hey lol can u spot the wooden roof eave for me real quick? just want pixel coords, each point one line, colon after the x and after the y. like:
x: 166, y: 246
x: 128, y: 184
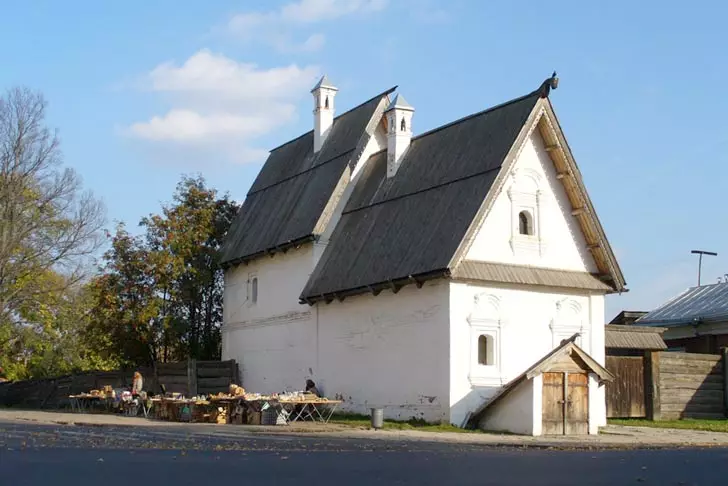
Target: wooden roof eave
x: 582, y: 207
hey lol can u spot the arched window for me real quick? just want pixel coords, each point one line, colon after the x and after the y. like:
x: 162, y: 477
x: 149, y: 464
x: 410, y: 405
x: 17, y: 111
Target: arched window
x: 403, y: 126
x: 254, y: 290
x: 326, y: 102
x: 525, y: 223
x: 485, y: 350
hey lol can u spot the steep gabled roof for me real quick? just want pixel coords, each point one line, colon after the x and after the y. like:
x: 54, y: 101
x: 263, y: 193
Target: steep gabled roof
x: 285, y: 204
x: 418, y: 224
x: 706, y: 303
x: 410, y: 225
x: 567, y: 347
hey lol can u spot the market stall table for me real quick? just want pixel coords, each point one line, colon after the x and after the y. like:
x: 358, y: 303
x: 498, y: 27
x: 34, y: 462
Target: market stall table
x: 84, y: 401
x: 315, y: 409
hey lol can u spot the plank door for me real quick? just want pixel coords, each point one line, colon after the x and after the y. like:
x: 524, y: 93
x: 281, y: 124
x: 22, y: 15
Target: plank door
x: 553, y: 404
x: 626, y: 394
x: 577, y: 404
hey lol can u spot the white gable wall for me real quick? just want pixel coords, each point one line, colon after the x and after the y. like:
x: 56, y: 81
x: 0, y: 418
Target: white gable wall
x: 532, y: 186
x: 525, y: 322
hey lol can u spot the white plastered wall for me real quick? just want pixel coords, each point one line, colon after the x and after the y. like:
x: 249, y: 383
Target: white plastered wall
x: 273, y: 339
x: 526, y: 321
x: 388, y: 351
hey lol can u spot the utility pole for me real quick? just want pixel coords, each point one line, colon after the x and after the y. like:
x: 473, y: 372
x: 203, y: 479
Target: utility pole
x: 700, y: 260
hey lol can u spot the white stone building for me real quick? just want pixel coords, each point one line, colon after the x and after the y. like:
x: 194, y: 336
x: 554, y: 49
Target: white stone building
x: 419, y: 274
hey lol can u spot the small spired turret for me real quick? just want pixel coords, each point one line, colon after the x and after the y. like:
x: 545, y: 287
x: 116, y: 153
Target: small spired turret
x: 323, y: 111
x: 399, y: 132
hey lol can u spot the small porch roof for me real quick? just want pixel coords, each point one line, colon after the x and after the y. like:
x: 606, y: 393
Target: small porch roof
x: 566, y: 347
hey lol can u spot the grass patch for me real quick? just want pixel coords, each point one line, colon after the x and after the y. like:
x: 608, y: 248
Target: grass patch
x: 364, y: 421
x: 718, y: 425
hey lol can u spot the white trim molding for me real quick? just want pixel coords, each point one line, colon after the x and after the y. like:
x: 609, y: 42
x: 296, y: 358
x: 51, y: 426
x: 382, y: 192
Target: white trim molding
x: 567, y: 321
x: 525, y: 195
x: 485, y: 320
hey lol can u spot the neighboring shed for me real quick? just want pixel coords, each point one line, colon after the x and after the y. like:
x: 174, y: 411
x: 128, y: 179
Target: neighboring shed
x: 632, y: 340
x: 555, y: 396
x: 628, y: 356
x: 696, y: 321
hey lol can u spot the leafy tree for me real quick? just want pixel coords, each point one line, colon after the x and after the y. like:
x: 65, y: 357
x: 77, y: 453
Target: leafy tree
x: 160, y: 295
x: 49, y: 228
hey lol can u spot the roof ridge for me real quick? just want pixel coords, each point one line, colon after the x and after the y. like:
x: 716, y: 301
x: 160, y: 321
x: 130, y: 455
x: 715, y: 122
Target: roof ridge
x: 473, y: 115
x: 384, y: 93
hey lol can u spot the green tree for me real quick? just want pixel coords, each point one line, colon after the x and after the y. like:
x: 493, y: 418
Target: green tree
x: 160, y: 295
x: 49, y: 228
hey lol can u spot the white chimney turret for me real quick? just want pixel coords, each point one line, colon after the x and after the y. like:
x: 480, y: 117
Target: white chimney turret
x: 323, y: 111
x: 399, y: 132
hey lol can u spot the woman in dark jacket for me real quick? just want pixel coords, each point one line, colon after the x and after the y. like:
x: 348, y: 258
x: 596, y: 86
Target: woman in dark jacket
x: 311, y: 388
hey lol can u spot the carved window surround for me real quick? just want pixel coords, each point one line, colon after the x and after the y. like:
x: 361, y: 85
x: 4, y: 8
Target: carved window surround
x: 533, y: 203
x: 490, y: 325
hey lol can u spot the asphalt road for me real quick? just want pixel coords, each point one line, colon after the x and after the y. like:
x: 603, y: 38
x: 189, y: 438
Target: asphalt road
x: 35, y: 455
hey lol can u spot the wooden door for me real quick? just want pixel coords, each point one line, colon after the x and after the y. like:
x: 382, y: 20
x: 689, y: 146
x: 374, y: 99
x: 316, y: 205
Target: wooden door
x: 577, y: 404
x: 552, y: 418
x: 626, y: 394
x: 565, y: 408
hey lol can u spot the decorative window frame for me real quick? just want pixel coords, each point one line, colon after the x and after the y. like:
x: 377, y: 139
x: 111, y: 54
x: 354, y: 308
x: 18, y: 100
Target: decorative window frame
x: 563, y: 327
x: 491, y: 325
x: 532, y: 202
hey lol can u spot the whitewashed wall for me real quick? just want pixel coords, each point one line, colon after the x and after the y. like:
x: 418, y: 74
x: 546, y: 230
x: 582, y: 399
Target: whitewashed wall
x: 515, y: 413
x: 389, y: 350
x: 273, y: 340
x: 532, y: 186
x: 526, y: 323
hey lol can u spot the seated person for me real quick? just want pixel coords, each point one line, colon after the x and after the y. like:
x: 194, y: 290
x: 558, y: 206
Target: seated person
x: 311, y: 388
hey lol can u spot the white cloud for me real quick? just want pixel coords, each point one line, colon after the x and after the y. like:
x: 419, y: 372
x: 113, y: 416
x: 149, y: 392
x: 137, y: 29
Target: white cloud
x: 275, y: 28
x: 207, y: 73
x: 187, y: 126
x: 222, y: 105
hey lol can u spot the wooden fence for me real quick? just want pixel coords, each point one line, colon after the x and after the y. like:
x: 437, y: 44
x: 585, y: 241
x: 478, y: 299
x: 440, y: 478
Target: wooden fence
x: 189, y: 377
x: 686, y: 385
x: 663, y: 385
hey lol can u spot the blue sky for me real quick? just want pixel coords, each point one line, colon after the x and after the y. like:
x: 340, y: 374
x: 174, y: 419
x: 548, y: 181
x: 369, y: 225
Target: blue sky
x: 143, y: 92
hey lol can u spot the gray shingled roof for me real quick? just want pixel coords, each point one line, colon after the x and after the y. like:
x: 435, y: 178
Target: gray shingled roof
x: 292, y: 189
x: 706, y: 303
x: 633, y: 337
x: 410, y: 225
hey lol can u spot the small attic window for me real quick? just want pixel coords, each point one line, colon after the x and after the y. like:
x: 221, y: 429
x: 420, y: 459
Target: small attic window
x: 403, y: 126
x: 525, y: 223
x: 326, y: 102
x: 485, y: 350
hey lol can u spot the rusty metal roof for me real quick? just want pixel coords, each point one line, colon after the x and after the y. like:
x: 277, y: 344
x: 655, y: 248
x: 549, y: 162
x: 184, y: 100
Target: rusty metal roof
x: 523, y: 274
x: 633, y: 337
